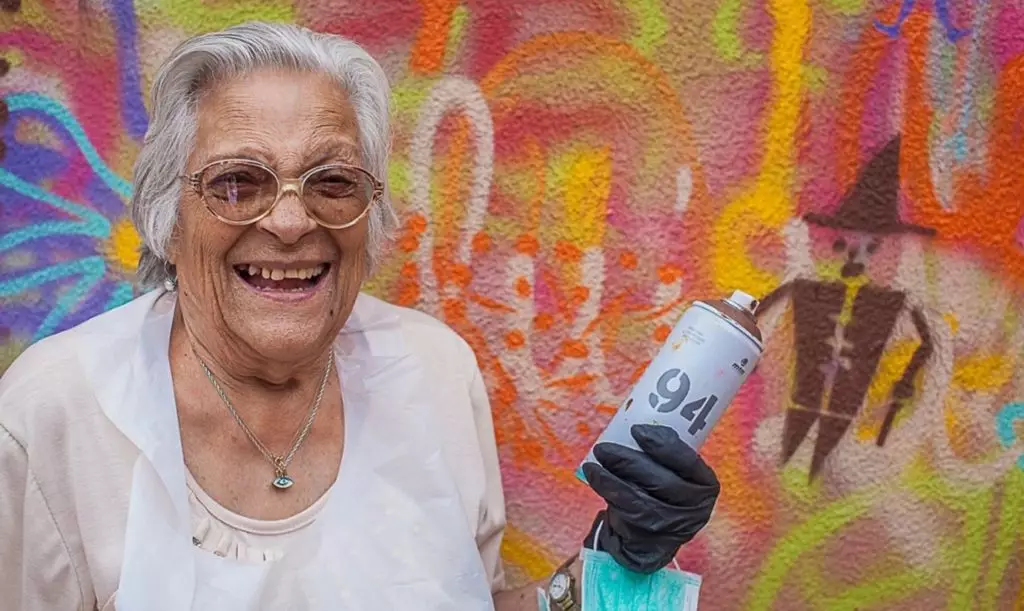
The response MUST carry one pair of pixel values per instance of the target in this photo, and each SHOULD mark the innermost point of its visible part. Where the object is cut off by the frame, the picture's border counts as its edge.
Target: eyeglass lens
(239, 191)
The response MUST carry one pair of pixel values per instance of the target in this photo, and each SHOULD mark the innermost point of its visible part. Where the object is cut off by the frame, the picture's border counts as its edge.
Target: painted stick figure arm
(780, 293)
(904, 387)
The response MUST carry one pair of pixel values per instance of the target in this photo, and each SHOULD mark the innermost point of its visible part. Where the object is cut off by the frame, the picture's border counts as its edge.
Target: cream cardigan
(66, 469)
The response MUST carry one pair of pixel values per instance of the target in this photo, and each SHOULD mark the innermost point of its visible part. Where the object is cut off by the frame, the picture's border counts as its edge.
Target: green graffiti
(959, 569)
(195, 16)
(967, 555)
(398, 178)
(812, 533)
(408, 96)
(971, 551)
(847, 7)
(652, 22)
(456, 32)
(878, 591)
(724, 32)
(794, 481)
(1008, 530)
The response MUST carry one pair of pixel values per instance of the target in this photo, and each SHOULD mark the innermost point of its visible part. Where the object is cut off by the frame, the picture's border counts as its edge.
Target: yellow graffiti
(122, 247)
(584, 177)
(520, 550)
(982, 373)
(766, 206)
(829, 270)
(853, 286)
(31, 14)
(890, 369)
(952, 321)
(9, 350)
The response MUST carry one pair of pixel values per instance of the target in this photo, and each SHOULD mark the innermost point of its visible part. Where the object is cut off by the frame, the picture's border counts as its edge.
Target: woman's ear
(174, 245)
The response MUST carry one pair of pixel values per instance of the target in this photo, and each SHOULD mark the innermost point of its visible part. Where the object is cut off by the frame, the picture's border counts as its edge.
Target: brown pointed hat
(872, 204)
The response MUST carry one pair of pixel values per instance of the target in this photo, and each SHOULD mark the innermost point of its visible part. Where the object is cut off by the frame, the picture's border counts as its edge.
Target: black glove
(658, 499)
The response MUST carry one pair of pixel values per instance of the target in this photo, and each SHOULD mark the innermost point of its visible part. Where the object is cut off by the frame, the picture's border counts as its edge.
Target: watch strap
(572, 600)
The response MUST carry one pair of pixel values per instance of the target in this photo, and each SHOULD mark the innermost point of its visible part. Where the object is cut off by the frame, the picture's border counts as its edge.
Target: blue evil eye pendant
(282, 481)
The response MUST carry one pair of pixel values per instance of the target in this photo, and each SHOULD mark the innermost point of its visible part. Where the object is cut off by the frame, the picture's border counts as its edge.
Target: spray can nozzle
(743, 301)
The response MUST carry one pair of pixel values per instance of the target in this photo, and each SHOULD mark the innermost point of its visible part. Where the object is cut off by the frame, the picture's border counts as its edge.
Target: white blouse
(227, 534)
(68, 453)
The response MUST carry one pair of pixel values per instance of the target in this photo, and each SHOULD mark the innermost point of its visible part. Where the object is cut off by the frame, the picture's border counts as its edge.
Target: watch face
(559, 586)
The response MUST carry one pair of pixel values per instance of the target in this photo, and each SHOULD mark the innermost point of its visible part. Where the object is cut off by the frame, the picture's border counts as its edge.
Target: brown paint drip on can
(741, 317)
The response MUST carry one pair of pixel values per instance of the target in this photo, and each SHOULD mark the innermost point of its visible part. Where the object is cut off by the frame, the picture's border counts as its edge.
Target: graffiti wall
(571, 175)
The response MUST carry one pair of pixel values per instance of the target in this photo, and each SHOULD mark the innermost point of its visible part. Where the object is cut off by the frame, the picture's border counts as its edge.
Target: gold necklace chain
(281, 481)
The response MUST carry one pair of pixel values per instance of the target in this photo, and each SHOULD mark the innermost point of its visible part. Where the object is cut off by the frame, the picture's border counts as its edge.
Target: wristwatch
(562, 588)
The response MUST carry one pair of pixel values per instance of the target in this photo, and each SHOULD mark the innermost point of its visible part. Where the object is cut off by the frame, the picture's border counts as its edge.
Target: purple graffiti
(953, 33)
(133, 109)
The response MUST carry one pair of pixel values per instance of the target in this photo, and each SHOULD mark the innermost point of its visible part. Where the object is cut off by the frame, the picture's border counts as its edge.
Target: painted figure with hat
(843, 318)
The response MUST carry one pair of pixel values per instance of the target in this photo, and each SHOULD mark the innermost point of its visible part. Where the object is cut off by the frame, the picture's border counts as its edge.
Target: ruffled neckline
(231, 535)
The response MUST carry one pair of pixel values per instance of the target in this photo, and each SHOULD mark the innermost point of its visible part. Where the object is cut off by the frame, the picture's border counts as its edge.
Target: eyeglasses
(243, 191)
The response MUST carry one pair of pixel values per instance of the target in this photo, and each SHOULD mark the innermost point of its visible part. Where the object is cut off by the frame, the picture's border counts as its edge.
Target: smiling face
(281, 287)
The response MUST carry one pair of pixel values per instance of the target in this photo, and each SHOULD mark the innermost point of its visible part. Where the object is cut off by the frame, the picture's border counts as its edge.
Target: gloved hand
(658, 499)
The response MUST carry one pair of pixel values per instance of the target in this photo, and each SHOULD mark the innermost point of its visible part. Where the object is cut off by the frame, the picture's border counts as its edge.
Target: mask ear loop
(597, 548)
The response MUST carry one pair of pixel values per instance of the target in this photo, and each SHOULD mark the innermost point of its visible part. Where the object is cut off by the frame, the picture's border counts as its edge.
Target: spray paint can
(696, 374)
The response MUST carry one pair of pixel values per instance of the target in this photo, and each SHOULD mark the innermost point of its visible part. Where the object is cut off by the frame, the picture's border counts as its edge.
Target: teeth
(280, 274)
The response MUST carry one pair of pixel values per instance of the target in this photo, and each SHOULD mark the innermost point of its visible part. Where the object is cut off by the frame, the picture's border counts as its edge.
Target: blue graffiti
(59, 255)
(893, 31)
(54, 109)
(1005, 419)
(122, 294)
(953, 33)
(89, 270)
(88, 216)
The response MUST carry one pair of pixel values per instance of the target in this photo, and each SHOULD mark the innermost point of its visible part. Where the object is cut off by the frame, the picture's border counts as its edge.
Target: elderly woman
(254, 433)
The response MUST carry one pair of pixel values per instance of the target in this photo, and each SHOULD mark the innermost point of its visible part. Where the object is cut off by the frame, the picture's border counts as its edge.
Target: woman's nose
(288, 221)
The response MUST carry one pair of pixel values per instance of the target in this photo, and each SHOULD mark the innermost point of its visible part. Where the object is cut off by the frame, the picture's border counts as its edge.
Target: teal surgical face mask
(608, 586)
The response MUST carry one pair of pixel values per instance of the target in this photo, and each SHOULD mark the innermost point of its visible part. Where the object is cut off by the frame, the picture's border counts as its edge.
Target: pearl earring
(171, 284)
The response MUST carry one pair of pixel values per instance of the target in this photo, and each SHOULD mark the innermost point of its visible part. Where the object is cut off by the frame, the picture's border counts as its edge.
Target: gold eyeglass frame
(293, 185)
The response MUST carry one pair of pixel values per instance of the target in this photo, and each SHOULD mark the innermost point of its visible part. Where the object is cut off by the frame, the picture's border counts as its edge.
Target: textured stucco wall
(571, 174)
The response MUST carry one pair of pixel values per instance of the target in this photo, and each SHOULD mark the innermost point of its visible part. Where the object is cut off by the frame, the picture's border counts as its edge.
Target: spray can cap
(743, 301)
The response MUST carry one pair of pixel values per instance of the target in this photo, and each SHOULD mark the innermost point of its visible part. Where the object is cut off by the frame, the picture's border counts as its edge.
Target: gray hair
(198, 64)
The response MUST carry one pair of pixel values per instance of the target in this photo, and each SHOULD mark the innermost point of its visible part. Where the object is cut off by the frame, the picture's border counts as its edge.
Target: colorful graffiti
(571, 175)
